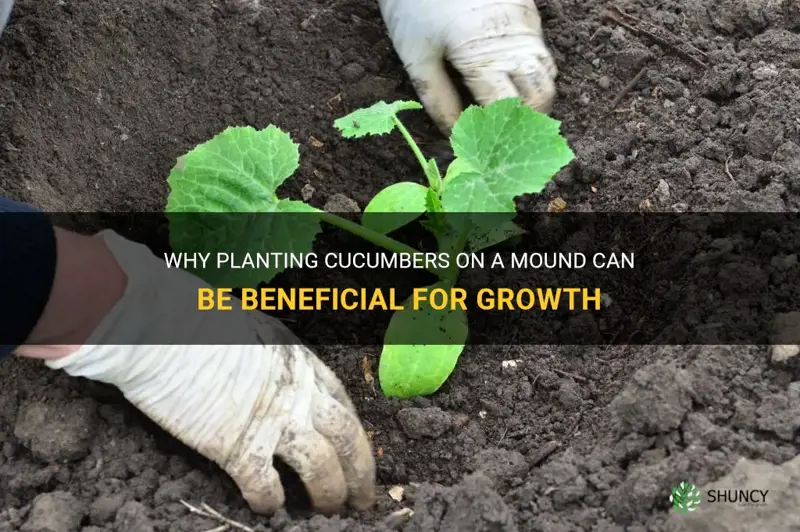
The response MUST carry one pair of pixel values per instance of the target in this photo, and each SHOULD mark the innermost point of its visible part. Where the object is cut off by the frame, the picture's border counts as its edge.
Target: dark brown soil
(98, 98)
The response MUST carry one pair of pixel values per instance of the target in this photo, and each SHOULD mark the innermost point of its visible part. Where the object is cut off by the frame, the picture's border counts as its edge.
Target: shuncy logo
(685, 498)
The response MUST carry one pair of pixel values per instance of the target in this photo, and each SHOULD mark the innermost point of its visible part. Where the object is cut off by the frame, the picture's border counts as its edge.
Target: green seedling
(502, 150)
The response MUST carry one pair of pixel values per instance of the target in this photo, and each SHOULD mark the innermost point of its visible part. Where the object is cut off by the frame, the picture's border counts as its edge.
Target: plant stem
(374, 237)
(436, 185)
(461, 243)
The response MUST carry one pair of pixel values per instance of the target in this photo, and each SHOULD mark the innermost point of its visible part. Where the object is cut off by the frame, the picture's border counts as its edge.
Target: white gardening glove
(238, 405)
(496, 45)
(5, 13)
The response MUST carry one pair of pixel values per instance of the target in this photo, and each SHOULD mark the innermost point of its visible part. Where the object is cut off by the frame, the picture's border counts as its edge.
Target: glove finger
(489, 85)
(344, 431)
(331, 382)
(5, 13)
(315, 460)
(536, 87)
(781, 353)
(436, 92)
(548, 63)
(259, 483)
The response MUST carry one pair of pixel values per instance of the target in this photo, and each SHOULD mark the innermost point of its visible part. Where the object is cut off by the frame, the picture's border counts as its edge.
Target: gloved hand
(238, 405)
(5, 13)
(496, 45)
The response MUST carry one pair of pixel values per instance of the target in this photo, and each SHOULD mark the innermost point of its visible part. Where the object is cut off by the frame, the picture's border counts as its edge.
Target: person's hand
(5, 13)
(496, 45)
(782, 353)
(238, 405)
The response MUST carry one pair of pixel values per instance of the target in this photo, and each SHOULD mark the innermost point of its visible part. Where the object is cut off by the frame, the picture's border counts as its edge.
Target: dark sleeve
(27, 270)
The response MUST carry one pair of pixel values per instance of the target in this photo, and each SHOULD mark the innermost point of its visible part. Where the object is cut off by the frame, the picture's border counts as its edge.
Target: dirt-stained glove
(5, 13)
(782, 353)
(238, 405)
(496, 45)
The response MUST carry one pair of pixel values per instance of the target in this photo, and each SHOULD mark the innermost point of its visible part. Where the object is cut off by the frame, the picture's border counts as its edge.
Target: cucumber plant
(502, 150)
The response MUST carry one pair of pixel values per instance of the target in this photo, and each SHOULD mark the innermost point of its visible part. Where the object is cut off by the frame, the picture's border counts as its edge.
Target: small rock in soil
(104, 508)
(420, 423)
(779, 512)
(765, 72)
(132, 517)
(761, 139)
(335, 57)
(352, 72)
(499, 464)
(779, 413)
(662, 191)
(307, 192)
(718, 81)
(396, 520)
(339, 203)
(656, 400)
(568, 394)
(472, 505)
(57, 432)
(397, 492)
(57, 511)
(782, 353)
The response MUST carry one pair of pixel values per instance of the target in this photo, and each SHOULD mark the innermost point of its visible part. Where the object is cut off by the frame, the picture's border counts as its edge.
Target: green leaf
(223, 200)
(236, 171)
(457, 166)
(432, 172)
(495, 232)
(507, 149)
(395, 206)
(413, 370)
(377, 119)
